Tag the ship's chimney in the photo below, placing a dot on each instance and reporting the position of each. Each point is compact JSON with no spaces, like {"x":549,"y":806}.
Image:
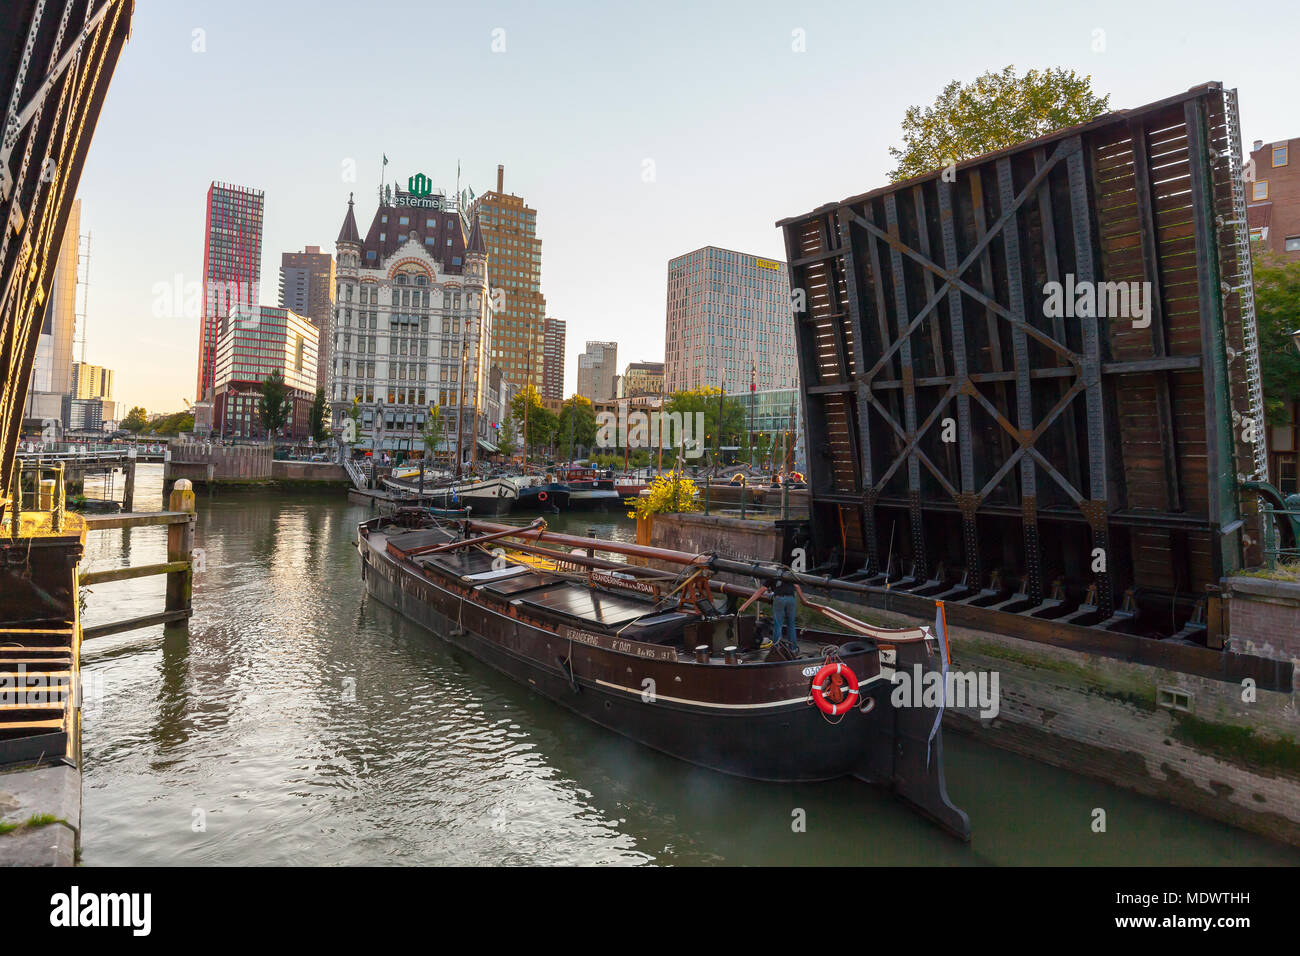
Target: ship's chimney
{"x":1259,"y":144}
{"x":501,"y":179}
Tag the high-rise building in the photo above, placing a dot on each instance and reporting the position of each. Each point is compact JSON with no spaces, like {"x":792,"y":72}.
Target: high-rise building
{"x":728,"y":312}
{"x":307,"y":287}
{"x":254,"y":342}
{"x":641,"y":378}
{"x":411,"y":323}
{"x":509,"y":228}
{"x":553,"y":359}
{"x":91,"y":381}
{"x":1273,"y":198}
{"x":598,"y":371}
{"x":232,"y":263}
{"x":51,"y":380}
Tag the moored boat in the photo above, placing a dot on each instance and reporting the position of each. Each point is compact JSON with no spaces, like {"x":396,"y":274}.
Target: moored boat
{"x":669,"y":660}
{"x":537,"y":493}
{"x":488,"y":496}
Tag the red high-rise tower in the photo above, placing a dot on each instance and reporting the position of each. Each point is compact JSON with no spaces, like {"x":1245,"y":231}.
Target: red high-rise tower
{"x":232,"y":262}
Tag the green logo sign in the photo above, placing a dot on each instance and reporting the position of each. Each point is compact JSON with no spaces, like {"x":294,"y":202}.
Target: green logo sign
{"x":419,"y":185}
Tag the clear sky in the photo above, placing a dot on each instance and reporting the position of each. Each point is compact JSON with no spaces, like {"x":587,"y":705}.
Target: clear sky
{"x":742,"y":130}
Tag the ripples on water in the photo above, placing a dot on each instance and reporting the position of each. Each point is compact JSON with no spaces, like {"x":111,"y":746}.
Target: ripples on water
{"x":304,"y":723}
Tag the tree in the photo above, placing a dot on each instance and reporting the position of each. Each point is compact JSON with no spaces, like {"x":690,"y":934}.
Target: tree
{"x":506,"y":435}
{"x":136,"y":420}
{"x":316,"y":417}
{"x":578,"y":415}
{"x":1277,"y":315}
{"x":735,"y":414}
{"x":172,"y":424}
{"x":541,"y":420}
{"x":273,"y":406}
{"x":994,"y":111}
{"x":435,"y":430}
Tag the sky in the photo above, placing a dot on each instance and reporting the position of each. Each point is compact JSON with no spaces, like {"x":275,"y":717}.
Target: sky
{"x":638,"y":132}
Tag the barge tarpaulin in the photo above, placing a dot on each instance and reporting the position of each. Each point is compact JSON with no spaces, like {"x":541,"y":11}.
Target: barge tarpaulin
{"x":979,"y":433}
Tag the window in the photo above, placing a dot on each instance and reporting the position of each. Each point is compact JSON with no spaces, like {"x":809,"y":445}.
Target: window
{"x":1280,"y":155}
{"x":1261,"y":190}
{"x":1292,"y":244}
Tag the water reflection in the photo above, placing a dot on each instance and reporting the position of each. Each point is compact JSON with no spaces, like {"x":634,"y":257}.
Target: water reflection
{"x":297,"y":721}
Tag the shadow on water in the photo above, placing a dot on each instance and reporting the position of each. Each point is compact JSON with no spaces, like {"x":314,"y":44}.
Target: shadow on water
{"x":298,"y":721}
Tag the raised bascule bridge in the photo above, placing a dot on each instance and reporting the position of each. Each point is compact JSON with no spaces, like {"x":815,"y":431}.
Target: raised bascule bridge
{"x":1071,"y":463}
{"x":56,"y":60}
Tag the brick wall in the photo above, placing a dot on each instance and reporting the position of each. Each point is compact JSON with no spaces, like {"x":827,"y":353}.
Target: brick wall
{"x":1264,"y":617}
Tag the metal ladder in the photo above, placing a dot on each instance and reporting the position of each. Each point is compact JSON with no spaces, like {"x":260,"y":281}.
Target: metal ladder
{"x":1245,"y":285}
{"x":355,"y":473}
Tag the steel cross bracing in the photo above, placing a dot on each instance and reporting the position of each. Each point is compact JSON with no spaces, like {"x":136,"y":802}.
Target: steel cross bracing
{"x":960,"y":386}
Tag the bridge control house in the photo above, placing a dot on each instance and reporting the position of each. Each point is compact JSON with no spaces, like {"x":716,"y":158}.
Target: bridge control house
{"x":252,"y":343}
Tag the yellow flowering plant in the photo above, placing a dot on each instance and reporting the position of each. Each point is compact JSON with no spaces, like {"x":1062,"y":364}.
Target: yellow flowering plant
{"x":670,"y":493}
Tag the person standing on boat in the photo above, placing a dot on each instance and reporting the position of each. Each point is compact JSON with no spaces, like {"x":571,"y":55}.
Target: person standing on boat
{"x":784,"y":607}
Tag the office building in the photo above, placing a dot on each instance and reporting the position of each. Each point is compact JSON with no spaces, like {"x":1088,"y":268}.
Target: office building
{"x":641,"y":378}
{"x":232,"y":262}
{"x":307,"y":287}
{"x":509,"y":227}
{"x":553,"y":359}
{"x":727,"y":313}
{"x":254,"y":342}
{"x":51,"y":380}
{"x":598,"y":371}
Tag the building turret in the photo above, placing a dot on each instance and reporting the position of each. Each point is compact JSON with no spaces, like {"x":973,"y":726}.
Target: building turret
{"x":349,"y":241}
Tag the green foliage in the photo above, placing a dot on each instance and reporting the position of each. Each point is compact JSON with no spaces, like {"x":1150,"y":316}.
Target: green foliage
{"x":1277,"y":315}
{"x":136,"y":420}
{"x":273,"y":405}
{"x":316,"y":417}
{"x":579,"y":415}
{"x":992,"y":112}
{"x":542,"y":421}
{"x":735,"y":414}
{"x":506,"y":435}
{"x":172,"y":424}
{"x":435,"y":431}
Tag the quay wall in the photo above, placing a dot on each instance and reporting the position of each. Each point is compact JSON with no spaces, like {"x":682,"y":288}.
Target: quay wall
{"x":318,"y":473}
{"x":1263,"y":617}
{"x":741,"y":540}
{"x":204,"y":463}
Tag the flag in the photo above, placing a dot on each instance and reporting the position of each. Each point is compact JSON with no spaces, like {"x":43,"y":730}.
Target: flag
{"x":941,"y":629}
{"x":753,"y":375}
{"x":385,"y":159}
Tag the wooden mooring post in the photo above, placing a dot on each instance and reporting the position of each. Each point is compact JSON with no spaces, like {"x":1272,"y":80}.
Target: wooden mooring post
{"x":179,"y":566}
{"x":180,"y":545}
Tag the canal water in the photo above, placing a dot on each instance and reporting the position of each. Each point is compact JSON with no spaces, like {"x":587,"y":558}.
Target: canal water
{"x":299,"y":722}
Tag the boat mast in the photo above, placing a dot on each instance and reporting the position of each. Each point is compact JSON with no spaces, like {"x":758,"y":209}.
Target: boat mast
{"x":460,"y":401}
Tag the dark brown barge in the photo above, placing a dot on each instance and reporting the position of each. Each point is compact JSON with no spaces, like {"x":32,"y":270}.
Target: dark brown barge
{"x":660,"y":660}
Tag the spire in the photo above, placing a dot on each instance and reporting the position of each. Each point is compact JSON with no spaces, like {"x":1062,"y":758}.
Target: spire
{"x":476,"y":245}
{"x":349,"y":231}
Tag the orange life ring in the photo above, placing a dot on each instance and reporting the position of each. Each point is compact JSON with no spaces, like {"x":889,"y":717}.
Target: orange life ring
{"x":541,"y":496}
{"x":830,"y":680}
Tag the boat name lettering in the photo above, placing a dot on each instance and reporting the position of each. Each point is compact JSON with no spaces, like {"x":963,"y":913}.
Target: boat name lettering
{"x":629,"y":584}
{"x":656,"y":652}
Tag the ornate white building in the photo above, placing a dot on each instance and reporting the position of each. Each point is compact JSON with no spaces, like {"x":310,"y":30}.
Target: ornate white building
{"x":411,"y":326}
